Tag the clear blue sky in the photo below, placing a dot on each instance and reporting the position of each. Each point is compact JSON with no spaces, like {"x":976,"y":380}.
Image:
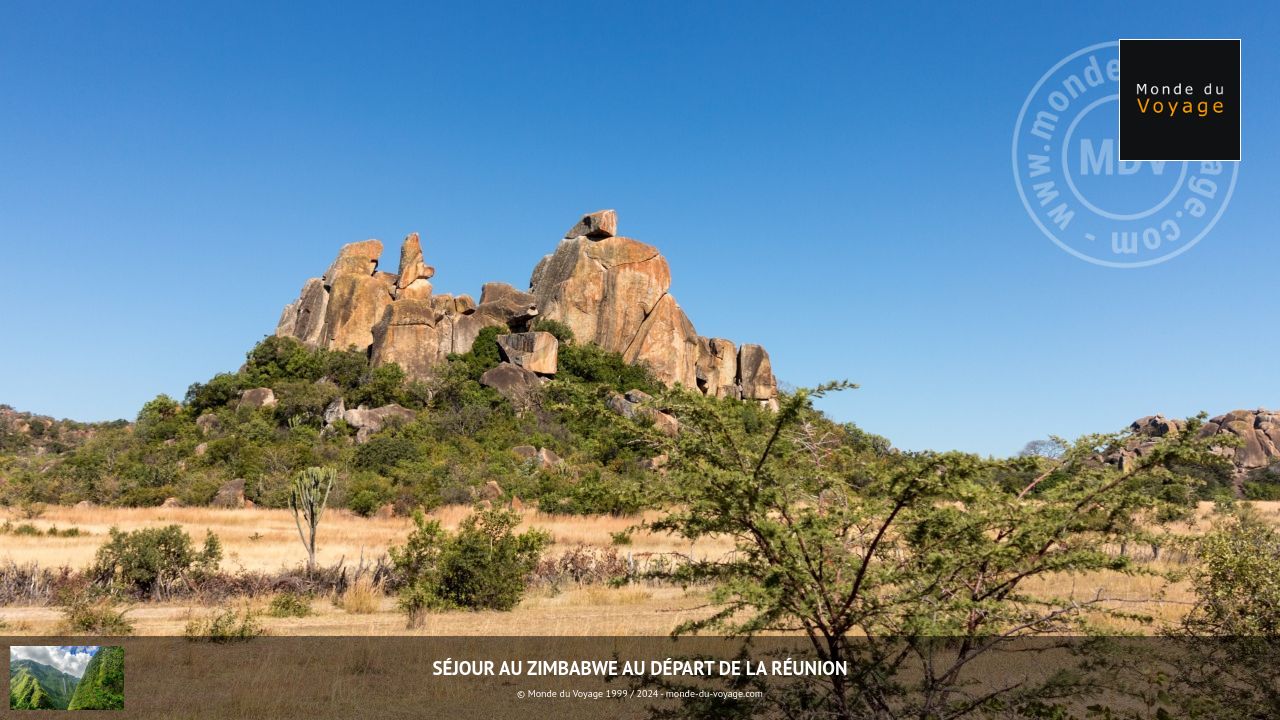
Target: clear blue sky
{"x":829,"y":181}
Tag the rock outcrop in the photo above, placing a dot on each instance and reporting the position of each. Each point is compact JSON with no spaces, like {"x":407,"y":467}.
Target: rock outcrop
{"x":637,"y":405}
{"x":534,"y":351}
{"x":1258,"y":431}
{"x":257,"y":398}
{"x":230,"y":495}
{"x":367,"y":422}
{"x":512,"y":382}
{"x":609,"y":290}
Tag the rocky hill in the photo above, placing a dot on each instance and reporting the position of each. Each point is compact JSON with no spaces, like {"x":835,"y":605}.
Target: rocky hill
{"x":609,"y":290}
{"x":1254,"y":454}
{"x":24,"y":433}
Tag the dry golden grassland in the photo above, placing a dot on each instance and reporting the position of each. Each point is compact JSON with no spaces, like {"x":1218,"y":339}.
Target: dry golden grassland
{"x":267,"y":540}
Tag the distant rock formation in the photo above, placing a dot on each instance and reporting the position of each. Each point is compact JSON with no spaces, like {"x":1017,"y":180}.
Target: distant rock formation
{"x":610,"y":290}
{"x":1259,"y":431}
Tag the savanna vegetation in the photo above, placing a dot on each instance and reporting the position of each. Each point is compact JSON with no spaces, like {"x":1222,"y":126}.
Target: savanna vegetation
{"x":793,"y":524}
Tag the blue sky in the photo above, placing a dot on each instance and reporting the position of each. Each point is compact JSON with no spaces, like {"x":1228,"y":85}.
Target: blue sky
{"x":830,"y":181}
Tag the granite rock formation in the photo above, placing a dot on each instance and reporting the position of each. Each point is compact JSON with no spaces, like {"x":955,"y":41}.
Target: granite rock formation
{"x":610,"y":290}
{"x":1258,"y":431}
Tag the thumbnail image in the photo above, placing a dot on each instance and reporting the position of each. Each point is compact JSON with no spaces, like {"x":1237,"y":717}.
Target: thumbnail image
{"x":66,"y":677}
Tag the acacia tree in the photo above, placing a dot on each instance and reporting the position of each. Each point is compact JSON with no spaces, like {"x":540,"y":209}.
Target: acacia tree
{"x":874,"y":556}
{"x":307,"y":499}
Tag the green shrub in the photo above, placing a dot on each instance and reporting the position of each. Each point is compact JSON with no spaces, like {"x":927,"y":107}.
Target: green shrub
{"x":367,"y":492}
{"x":90,"y":613}
{"x":304,"y":400}
{"x":344,"y":368}
{"x":590,"y":363}
{"x":221,"y":390}
{"x":159,"y":420}
{"x":224,"y":626}
{"x":562,"y":332}
{"x":288,"y":604}
{"x":281,"y":358}
{"x":485,"y":565}
{"x":1235,"y":580}
{"x":382,"y":385}
{"x":384,"y":452}
{"x":597,"y":493}
{"x":27,"y":529}
{"x":152,"y":560}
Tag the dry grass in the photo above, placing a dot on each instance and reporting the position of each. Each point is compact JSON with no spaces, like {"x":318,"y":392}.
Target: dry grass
{"x":267,"y":540}
{"x":362,"y":598}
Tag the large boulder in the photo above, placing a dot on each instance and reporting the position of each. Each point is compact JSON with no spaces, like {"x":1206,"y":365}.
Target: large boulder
{"x":755,"y":375}
{"x":599,"y":224}
{"x":516,"y":384}
{"x":257,"y":398}
{"x":414,"y":280}
{"x":638,"y":405}
{"x":514,"y":305}
{"x":667,"y":344}
{"x":536,"y":351}
{"x":717,"y":368}
{"x":208,"y":424}
{"x":356,"y":304}
{"x":569,"y":288}
{"x":230,"y":495}
{"x":358,"y":258}
{"x":312,"y":306}
{"x":368,"y":422}
{"x":414,"y":335}
{"x":466,"y":328}
{"x":613,"y":292}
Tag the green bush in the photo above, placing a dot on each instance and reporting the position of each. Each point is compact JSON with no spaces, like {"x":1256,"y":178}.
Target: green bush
{"x":159,"y":420}
{"x":91,"y":613}
{"x":304,"y":400}
{"x":384,"y":452}
{"x":367,"y":492}
{"x":152,"y":560}
{"x":596,"y":493}
{"x":382,"y":385}
{"x":282,"y":358}
{"x":591,"y":363}
{"x":288,"y":604}
{"x":221,"y":390}
{"x":562,"y":332}
{"x":224,"y":626}
{"x":485,"y":565}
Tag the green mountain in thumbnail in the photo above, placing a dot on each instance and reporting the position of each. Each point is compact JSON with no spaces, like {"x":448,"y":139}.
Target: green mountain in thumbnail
{"x":102,"y":687}
{"x":36,"y":686}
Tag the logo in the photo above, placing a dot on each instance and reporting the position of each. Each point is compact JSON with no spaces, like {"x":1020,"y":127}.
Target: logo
{"x":1107,"y":211}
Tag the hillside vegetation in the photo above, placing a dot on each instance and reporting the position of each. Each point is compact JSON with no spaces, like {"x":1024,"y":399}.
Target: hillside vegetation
{"x":457,"y":447}
{"x":35,"y":686}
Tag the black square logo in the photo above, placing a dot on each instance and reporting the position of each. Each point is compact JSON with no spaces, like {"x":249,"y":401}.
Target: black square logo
{"x":1179,"y":99}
